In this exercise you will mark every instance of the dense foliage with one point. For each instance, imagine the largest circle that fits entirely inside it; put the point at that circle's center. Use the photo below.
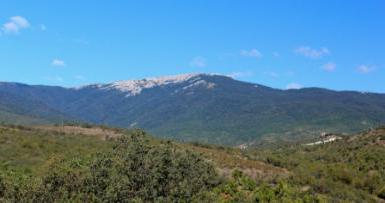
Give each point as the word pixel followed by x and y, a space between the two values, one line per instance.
pixel 134 169
pixel 40 165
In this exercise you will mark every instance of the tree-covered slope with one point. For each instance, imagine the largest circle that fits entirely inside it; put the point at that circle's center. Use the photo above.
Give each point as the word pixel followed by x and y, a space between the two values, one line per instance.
pixel 206 108
pixel 17 106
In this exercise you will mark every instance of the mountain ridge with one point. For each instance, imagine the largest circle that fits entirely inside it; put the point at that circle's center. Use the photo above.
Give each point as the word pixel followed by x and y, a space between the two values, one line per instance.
pixel 203 107
pixel 191 74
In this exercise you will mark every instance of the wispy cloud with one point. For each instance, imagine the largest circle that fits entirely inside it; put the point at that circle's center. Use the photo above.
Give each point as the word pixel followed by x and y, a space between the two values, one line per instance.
pixel 312 53
pixel 58 63
pixel 293 86
pixel 276 54
pixel 198 62
pixel 365 69
pixel 329 67
pixel 251 53
pixel 240 74
pixel 14 25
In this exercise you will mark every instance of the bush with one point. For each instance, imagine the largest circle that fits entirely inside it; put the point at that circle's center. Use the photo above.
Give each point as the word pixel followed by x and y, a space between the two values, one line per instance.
pixel 133 170
pixel 381 193
pixel 2 188
pixel 137 169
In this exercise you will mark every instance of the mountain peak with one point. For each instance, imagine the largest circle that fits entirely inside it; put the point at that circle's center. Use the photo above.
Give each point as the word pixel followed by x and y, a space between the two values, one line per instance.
pixel 135 87
pixel 173 78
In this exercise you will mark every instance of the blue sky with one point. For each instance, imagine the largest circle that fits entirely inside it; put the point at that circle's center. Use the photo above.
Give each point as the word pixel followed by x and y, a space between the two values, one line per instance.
pixel 331 44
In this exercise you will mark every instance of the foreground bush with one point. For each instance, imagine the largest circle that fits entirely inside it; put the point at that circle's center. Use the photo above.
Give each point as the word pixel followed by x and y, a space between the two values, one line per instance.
pixel 242 188
pixel 134 170
pixel 137 169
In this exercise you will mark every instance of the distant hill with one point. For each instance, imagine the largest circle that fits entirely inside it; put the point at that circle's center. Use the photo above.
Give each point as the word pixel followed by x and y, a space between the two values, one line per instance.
pixel 17 106
pixel 197 107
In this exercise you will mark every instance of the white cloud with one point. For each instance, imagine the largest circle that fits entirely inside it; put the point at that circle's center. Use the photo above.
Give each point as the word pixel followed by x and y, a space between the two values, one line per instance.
pixel 198 62
pixel 58 62
pixel 240 74
pixel 365 69
pixel 312 53
pixel 251 53
pixel 10 27
pixel 330 67
pixel 293 86
pixel 20 21
pixel 276 54
pixel 15 24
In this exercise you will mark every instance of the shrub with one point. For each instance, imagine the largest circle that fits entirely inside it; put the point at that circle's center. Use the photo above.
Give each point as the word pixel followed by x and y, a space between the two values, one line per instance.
pixel 381 193
pixel 137 169
pixel 2 188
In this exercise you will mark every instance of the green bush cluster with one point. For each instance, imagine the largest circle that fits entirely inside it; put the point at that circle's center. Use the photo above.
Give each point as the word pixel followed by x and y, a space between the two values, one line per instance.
pixel 242 188
pixel 134 170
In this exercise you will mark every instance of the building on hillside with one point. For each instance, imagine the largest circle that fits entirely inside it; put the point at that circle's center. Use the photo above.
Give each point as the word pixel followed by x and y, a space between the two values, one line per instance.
pixel 325 138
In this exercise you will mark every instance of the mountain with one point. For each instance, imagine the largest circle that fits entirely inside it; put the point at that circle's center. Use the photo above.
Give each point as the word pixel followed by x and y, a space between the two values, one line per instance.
pixel 22 104
pixel 198 107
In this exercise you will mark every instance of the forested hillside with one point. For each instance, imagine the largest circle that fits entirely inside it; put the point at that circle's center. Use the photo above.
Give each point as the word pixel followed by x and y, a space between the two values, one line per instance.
pixel 197 107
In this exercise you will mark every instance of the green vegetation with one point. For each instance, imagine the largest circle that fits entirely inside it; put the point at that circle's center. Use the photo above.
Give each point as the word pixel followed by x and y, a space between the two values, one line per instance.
pixel 350 169
pixel 101 164
pixel 229 113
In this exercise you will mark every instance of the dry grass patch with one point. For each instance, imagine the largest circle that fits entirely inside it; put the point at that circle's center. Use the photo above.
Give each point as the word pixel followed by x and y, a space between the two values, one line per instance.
pixel 103 133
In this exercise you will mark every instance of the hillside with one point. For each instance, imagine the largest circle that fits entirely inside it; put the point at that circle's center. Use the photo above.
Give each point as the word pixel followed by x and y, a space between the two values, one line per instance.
pixel 48 163
pixel 350 169
pixel 199 107
pixel 101 164
pixel 19 106
pixel 33 148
